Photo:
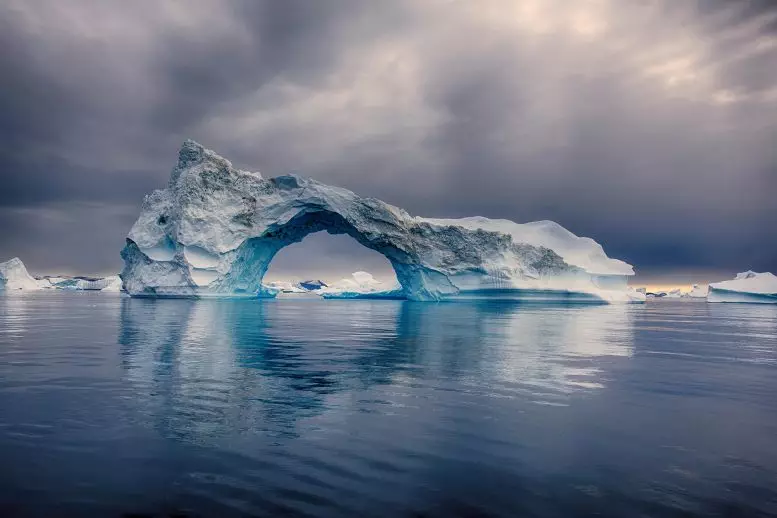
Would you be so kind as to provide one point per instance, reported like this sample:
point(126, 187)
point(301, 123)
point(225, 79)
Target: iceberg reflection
point(217, 367)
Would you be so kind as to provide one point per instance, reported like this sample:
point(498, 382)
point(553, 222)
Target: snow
point(577, 251)
point(747, 286)
point(215, 229)
point(14, 276)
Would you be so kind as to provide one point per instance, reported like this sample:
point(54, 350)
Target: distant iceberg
point(675, 293)
point(362, 285)
point(285, 287)
point(215, 229)
point(698, 292)
point(111, 283)
point(752, 287)
point(14, 276)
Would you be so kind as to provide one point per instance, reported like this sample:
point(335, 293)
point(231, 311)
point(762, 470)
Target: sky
point(648, 125)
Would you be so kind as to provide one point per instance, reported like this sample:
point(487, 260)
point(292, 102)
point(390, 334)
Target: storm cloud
point(649, 126)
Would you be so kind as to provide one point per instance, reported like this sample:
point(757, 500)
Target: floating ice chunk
point(675, 293)
point(698, 292)
point(14, 276)
point(749, 286)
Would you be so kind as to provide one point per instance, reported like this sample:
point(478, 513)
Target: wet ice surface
point(306, 407)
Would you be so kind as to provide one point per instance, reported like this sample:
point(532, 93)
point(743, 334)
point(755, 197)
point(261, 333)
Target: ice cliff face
point(214, 230)
point(112, 283)
point(14, 276)
point(747, 286)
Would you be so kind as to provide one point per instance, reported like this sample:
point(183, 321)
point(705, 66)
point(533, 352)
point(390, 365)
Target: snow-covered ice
point(14, 276)
point(110, 283)
point(215, 229)
point(747, 286)
point(361, 285)
point(285, 287)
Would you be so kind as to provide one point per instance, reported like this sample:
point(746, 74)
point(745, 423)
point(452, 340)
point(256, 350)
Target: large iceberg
point(214, 230)
point(14, 276)
point(747, 286)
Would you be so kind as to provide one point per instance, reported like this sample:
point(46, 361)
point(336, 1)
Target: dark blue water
point(112, 406)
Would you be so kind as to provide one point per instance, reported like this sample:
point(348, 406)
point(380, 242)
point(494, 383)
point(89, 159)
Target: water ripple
point(112, 406)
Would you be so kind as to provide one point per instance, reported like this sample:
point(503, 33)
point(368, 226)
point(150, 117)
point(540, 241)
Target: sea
point(121, 407)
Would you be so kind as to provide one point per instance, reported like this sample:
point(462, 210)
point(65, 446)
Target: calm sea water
point(111, 406)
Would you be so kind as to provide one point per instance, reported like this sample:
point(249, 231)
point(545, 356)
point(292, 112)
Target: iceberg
point(362, 285)
point(111, 283)
point(675, 293)
point(213, 231)
point(698, 292)
point(749, 286)
point(14, 276)
point(285, 287)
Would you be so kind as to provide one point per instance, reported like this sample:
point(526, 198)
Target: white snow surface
point(577, 251)
point(747, 286)
point(14, 276)
point(215, 229)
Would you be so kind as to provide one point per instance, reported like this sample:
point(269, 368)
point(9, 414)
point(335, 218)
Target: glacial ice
point(675, 293)
point(111, 283)
point(14, 276)
point(749, 286)
point(215, 229)
point(285, 287)
point(698, 292)
point(361, 285)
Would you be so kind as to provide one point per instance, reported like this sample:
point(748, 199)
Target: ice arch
point(215, 229)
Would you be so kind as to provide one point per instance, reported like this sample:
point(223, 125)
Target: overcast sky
point(650, 126)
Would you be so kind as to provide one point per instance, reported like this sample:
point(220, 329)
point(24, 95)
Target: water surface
point(111, 406)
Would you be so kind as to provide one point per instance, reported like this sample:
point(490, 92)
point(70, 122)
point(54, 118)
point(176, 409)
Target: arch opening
point(248, 272)
point(329, 258)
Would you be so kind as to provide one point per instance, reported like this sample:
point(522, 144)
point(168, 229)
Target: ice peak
point(191, 153)
point(195, 156)
point(14, 276)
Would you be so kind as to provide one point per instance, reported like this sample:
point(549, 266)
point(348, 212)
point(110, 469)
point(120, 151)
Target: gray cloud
point(648, 126)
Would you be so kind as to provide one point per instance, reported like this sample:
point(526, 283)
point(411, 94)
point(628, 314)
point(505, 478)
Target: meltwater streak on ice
point(111, 405)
